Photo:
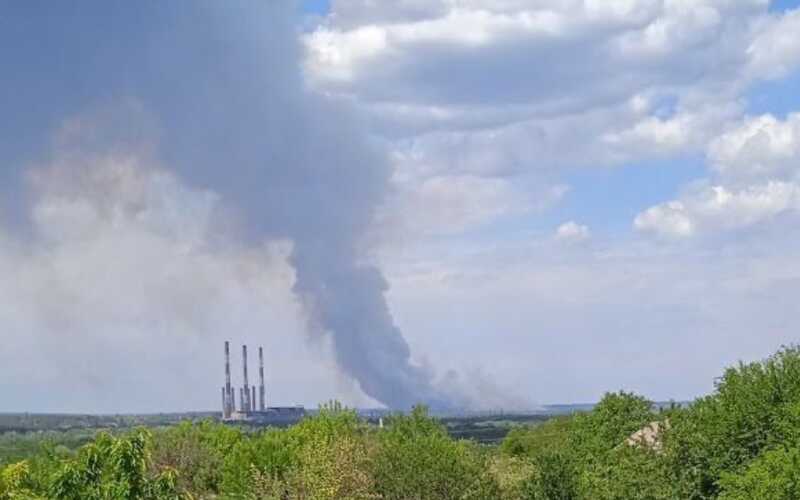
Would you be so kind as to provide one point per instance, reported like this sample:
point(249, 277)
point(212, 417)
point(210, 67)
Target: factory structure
point(252, 409)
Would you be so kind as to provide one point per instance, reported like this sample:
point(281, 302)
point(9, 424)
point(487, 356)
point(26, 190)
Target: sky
point(485, 204)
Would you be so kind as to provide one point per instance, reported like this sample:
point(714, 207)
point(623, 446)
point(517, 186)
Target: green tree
point(14, 482)
point(774, 475)
point(416, 459)
point(554, 477)
point(113, 469)
point(608, 425)
point(527, 440)
point(196, 452)
point(755, 406)
point(629, 472)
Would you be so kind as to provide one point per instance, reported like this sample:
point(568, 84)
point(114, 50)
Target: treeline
point(741, 442)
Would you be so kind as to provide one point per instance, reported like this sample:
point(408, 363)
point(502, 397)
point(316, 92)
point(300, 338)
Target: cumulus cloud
point(762, 146)
point(572, 232)
point(460, 87)
point(775, 52)
point(757, 163)
point(717, 208)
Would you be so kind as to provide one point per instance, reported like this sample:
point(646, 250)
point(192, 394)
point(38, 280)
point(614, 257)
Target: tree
point(774, 475)
point(14, 482)
point(416, 459)
point(113, 469)
point(755, 407)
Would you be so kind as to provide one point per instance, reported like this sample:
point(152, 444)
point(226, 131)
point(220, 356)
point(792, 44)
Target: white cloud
point(669, 219)
point(775, 52)
point(624, 312)
point(452, 204)
point(522, 90)
point(717, 208)
point(757, 147)
point(572, 232)
point(757, 163)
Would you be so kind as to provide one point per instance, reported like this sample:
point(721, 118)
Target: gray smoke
point(317, 180)
point(223, 83)
point(300, 167)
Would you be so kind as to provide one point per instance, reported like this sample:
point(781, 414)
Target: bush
point(755, 407)
point(609, 424)
point(554, 477)
point(628, 473)
point(775, 475)
point(417, 459)
point(113, 469)
point(525, 441)
point(196, 452)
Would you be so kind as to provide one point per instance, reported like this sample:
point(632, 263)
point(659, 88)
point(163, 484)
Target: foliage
point(554, 477)
point(741, 442)
point(113, 469)
point(196, 453)
point(527, 440)
point(755, 407)
point(774, 475)
point(628, 473)
point(14, 482)
point(417, 459)
point(613, 420)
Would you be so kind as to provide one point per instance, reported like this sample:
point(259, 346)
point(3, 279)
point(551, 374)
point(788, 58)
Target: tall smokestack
point(224, 403)
point(242, 408)
point(253, 399)
point(228, 405)
point(261, 388)
point(246, 400)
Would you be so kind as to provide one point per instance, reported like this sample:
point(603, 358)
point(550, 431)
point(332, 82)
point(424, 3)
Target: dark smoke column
point(295, 165)
point(347, 301)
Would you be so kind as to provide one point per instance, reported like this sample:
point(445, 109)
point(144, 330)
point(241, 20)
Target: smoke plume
point(235, 119)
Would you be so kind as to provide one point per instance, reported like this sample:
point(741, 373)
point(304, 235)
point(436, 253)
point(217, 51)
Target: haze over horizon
point(467, 203)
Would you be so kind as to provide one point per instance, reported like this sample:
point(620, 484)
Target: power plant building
point(250, 410)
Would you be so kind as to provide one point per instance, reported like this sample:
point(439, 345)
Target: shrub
point(775, 475)
point(554, 477)
point(417, 459)
point(755, 406)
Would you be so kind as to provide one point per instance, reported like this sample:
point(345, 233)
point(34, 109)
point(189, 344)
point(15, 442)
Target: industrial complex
point(251, 410)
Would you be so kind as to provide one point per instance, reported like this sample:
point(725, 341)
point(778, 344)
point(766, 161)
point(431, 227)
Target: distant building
point(248, 411)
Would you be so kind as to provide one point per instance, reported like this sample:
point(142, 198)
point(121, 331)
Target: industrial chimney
point(228, 403)
point(246, 399)
point(262, 392)
point(253, 399)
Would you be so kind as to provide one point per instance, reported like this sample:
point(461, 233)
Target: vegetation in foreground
point(741, 442)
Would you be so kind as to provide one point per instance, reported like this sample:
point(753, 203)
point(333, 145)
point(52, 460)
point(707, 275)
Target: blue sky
point(402, 201)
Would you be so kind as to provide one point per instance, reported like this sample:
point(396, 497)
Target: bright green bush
point(416, 459)
point(196, 452)
point(775, 475)
point(15, 482)
point(612, 421)
point(113, 469)
point(755, 407)
point(628, 473)
point(525, 441)
point(554, 477)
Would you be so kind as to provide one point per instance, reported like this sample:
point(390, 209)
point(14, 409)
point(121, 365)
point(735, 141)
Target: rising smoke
point(301, 168)
point(235, 119)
